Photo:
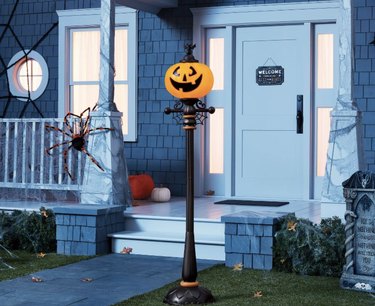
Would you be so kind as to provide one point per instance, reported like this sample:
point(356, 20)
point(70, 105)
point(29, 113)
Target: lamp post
point(189, 80)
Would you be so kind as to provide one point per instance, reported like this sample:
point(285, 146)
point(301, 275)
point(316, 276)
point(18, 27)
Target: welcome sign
point(269, 75)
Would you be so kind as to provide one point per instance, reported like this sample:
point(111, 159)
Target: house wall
point(160, 146)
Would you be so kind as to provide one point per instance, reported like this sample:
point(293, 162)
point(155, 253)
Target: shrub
point(31, 231)
point(306, 248)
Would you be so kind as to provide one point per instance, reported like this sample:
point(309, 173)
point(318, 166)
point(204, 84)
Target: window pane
point(85, 57)
point(216, 62)
point(36, 81)
point(121, 100)
point(121, 55)
point(30, 75)
point(216, 141)
point(84, 96)
point(325, 61)
point(324, 123)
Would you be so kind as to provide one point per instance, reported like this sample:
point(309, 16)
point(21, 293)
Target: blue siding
point(364, 75)
point(160, 146)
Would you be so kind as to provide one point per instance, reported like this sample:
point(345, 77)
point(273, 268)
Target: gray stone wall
point(83, 229)
point(249, 239)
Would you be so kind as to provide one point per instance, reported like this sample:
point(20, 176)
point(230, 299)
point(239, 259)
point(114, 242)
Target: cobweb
point(27, 172)
point(7, 32)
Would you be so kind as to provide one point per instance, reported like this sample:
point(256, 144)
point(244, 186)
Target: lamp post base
point(188, 295)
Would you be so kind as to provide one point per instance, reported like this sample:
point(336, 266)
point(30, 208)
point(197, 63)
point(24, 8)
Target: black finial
point(189, 57)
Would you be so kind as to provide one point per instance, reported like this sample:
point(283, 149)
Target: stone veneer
point(83, 229)
point(249, 238)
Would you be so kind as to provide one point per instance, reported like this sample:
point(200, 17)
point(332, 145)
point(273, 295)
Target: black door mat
point(252, 203)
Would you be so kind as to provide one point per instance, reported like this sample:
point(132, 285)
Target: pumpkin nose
point(184, 78)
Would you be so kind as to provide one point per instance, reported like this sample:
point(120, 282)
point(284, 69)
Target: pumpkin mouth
point(188, 86)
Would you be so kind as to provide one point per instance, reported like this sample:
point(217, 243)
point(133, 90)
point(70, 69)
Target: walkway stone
point(115, 278)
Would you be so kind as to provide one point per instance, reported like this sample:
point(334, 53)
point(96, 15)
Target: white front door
point(272, 147)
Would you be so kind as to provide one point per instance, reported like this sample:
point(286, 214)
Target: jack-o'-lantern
point(189, 79)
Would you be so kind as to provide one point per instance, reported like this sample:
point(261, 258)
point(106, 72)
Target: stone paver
point(115, 278)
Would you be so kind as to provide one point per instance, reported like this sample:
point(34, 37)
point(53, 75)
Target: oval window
point(28, 75)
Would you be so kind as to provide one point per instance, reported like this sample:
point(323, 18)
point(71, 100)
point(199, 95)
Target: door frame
point(229, 18)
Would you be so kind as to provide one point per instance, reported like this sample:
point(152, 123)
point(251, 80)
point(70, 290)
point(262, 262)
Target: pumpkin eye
point(193, 71)
point(175, 72)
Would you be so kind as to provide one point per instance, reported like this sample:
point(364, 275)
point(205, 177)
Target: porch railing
point(24, 162)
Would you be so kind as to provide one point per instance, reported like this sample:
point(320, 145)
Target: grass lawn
point(238, 288)
point(27, 263)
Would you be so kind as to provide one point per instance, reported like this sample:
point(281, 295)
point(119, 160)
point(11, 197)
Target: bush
point(306, 248)
point(30, 231)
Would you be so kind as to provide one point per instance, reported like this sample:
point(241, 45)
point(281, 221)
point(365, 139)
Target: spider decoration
point(78, 134)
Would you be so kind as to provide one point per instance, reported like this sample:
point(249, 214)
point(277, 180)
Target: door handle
point(299, 116)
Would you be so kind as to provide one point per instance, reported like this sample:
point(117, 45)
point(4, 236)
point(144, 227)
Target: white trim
point(231, 17)
point(69, 19)
point(16, 61)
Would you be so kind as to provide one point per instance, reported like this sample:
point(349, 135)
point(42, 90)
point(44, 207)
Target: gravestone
point(359, 269)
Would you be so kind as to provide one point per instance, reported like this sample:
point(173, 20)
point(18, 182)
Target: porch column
point(108, 187)
point(344, 156)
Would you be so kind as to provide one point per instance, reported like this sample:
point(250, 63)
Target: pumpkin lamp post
point(188, 81)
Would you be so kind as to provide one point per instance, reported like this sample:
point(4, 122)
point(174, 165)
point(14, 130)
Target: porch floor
point(204, 208)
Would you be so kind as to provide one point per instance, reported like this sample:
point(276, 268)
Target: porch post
point(344, 156)
point(108, 187)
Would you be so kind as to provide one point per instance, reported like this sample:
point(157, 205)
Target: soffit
point(151, 6)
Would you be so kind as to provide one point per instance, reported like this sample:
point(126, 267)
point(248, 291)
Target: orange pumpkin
point(141, 186)
point(189, 80)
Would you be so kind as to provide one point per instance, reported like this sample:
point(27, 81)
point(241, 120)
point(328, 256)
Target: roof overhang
point(151, 6)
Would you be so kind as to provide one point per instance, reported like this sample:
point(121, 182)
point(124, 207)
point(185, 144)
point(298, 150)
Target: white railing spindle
point(32, 165)
point(24, 167)
point(23, 153)
point(15, 150)
point(6, 157)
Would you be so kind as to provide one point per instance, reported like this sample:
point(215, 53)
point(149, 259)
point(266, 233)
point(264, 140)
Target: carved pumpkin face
point(189, 80)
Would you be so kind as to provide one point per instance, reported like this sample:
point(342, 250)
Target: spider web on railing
point(27, 172)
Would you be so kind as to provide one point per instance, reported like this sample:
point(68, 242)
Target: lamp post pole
point(188, 80)
point(189, 291)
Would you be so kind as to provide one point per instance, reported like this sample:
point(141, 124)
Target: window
point(216, 62)
point(28, 75)
point(216, 142)
point(325, 61)
point(79, 61)
point(323, 128)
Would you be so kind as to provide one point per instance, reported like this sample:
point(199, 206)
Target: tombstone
point(359, 269)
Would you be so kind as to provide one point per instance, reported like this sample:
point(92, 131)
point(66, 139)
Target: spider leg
point(86, 125)
point(100, 129)
point(66, 168)
point(50, 127)
point(92, 159)
point(57, 145)
point(86, 110)
point(66, 121)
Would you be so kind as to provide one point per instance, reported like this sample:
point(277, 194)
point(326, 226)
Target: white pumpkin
point(160, 194)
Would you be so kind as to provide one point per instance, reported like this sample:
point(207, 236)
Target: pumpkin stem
point(189, 57)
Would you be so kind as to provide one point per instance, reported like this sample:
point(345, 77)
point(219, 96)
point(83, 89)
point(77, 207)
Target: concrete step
point(147, 223)
point(165, 236)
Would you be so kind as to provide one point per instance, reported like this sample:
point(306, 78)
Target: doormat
point(252, 203)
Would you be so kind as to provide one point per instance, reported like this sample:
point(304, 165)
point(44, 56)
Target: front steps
point(165, 236)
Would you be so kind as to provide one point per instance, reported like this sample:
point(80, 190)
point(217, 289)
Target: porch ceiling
point(151, 6)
